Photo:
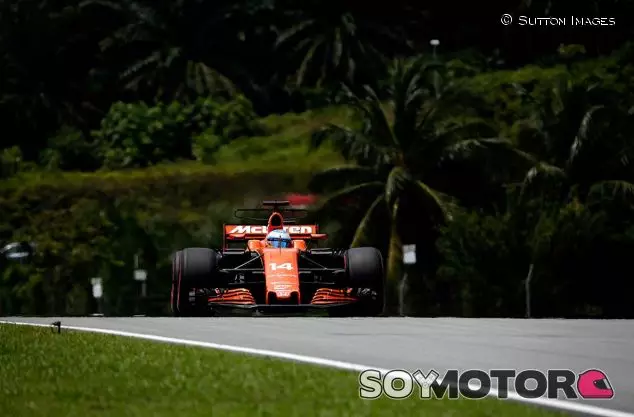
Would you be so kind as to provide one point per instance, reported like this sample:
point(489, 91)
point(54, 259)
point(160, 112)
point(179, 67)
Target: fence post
point(409, 258)
point(529, 277)
point(97, 293)
point(140, 275)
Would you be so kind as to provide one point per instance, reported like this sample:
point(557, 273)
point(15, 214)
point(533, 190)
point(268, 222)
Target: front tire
point(365, 272)
point(192, 268)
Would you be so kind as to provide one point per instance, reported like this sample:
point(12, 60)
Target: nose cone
point(594, 383)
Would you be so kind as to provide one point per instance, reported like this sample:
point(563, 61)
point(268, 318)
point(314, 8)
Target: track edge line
point(557, 404)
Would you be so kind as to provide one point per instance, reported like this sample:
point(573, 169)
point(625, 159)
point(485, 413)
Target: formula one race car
point(255, 277)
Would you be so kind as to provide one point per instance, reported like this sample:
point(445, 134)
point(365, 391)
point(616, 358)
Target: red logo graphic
point(594, 383)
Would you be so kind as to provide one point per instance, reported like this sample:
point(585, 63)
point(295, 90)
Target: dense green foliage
point(132, 128)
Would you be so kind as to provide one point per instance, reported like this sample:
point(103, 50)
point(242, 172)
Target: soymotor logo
point(477, 384)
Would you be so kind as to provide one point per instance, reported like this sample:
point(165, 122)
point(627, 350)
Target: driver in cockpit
point(279, 239)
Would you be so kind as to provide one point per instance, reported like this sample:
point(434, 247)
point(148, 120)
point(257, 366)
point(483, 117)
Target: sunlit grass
point(43, 373)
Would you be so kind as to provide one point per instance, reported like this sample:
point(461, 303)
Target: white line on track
point(546, 402)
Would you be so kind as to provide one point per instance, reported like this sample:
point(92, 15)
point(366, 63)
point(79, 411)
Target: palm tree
point(582, 146)
point(340, 41)
point(582, 149)
point(44, 84)
point(400, 148)
point(167, 48)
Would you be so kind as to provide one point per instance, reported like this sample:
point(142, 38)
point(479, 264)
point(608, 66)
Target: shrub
point(92, 224)
point(138, 135)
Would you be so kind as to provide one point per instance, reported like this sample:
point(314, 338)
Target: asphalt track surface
point(411, 344)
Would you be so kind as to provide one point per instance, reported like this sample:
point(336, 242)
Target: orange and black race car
point(249, 275)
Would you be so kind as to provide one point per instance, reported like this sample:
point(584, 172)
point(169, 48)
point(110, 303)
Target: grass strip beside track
point(43, 373)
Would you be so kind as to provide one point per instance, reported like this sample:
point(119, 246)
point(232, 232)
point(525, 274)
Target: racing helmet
point(279, 239)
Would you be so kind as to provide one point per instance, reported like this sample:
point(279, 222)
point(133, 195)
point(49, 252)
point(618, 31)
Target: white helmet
point(279, 239)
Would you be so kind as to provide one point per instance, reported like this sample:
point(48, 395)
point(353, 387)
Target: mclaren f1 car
point(247, 275)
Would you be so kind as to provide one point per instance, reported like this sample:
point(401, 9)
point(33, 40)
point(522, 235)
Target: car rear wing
point(291, 215)
point(244, 232)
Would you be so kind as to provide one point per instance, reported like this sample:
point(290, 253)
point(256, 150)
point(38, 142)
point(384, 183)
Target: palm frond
point(408, 98)
point(375, 122)
point(204, 80)
point(435, 203)
point(338, 199)
point(337, 48)
point(492, 147)
point(401, 185)
point(152, 60)
point(288, 34)
point(353, 144)
point(367, 224)
point(337, 176)
point(465, 126)
point(306, 61)
point(544, 170)
point(612, 189)
point(113, 5)
point(396, 184)
point(585, 134)
point(543, 177)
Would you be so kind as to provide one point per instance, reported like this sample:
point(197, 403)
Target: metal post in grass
point(409, 258)
point(15, 252)
point(97, 293)
point(434, 43)
point(529, 277)
point(140, 275)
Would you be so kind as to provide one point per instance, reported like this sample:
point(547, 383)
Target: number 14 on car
point(285, 265)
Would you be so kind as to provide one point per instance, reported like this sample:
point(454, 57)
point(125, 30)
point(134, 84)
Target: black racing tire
point(365, 270)
point(192, 268)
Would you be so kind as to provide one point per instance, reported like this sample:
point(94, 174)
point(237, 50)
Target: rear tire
point(192, 268)
point(365, 271)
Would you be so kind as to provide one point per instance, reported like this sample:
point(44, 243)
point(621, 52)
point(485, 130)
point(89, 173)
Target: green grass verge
point(287, 144)
point(81, 374)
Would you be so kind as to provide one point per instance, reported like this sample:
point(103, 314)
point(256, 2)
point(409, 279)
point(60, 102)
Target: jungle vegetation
point(504, 153)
